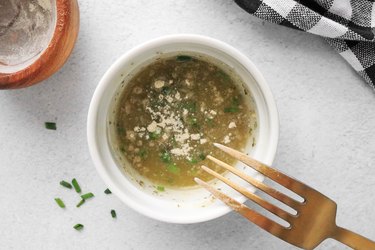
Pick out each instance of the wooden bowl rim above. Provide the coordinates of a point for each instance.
(62, 17)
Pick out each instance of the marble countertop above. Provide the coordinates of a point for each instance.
(327, 137)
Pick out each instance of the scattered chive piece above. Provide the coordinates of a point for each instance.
(173, 168)
(113, 213)
(165, 156)
(202, 156)
(78, 227)
(183, 58)
(87, 196)
(160, 188)
(153, 135)
(230, 109)
(142, 153)
(60, 202)
(107, 191)
(166, 90)
(80, 203)
(65, 184)
(50, 125)
(76, 185)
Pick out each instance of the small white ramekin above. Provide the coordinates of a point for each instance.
(184, 206)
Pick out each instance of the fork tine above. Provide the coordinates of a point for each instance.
(263, 203)
(284, 180)
(256, 218)
(259, 185)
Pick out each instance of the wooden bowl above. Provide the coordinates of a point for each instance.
(53, 56)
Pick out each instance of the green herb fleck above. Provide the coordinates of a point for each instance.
(65, 184)
(165, 156)
(224, 76)
(210, 122)
(190, 106)
(173, 140)
(60, 202)
(166, 90)
(234, 106)
(143, 153)
(76, 185)
(107, 191)
(113, 213)
(50, 125)
(153, 135)
(202, 156)
(231, 109)
(183, 58)
(173, 168)
(87, 196)
(236, 100)
(78, 227)
(160, 188)
(198, 158)
(80, 203)
(193, 161)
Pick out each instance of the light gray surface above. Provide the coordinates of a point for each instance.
(327, 134)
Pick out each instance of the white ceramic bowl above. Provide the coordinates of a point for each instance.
(184, 205)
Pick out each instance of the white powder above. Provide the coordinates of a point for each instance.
(152, 126)
(202, 141)
(183, 151)
(159, 84)
(169, 99)
(232, 125)
(177, 96)
(226, 139)
(195, 136)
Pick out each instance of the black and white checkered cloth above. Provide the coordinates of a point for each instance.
(347, 25)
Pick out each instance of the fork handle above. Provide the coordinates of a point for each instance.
(352, 239)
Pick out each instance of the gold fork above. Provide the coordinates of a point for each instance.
(316, 215)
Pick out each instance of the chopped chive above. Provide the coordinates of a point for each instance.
(193, 161)
(65, 184)
(80, 203)
(173, 168)
(143, 153)
(60, 202)
(166, 156)
(166, 90)
(190, 106)
(231, 109)
(236, 100)
(160, 188)
(202, 156)
(107, 191)
(76, 185)
(78, 227)
(50, 125)
(153, 135)
(192, 121)
(113, 213)
(183, 58)
(87, 196)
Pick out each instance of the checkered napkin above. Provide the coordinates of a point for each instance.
(347, 25)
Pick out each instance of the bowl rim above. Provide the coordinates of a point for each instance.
(117, 66)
